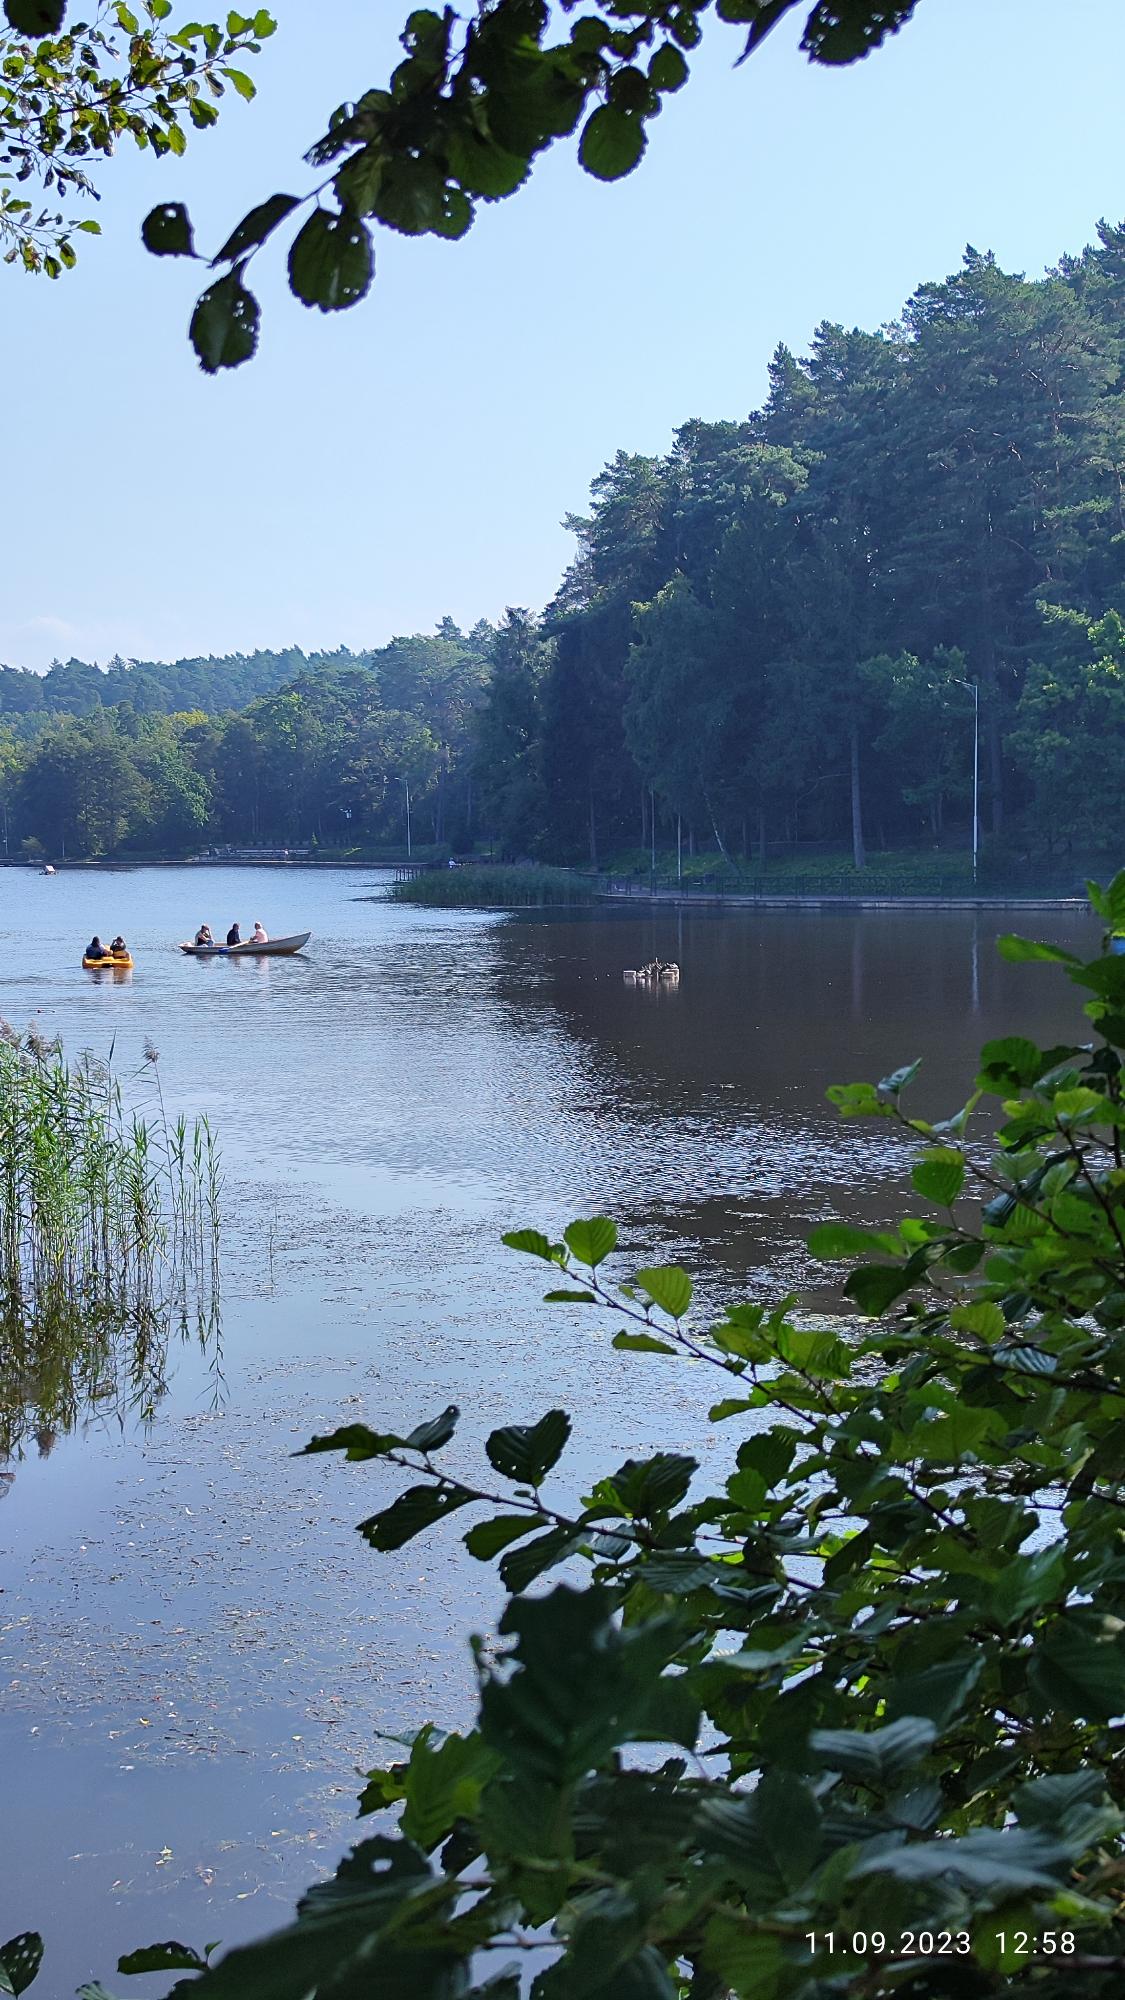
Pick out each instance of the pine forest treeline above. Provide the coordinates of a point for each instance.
(770, 636)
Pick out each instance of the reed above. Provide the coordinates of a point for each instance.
(488, 887)
(109, 1239)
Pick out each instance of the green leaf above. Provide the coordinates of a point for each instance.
(648, 1486)
(242, 83)
(431, 1436)
(484, 168)
(35, 17)
(642, 1343)
(612, 143)
(984, 1319)
(746, 1961)
(875, 1287)
(858, 1100)
(442, 1784)
(899, 1078)
(875, 1757)
(668, 70)
(938, 1692)
(526, 1452)
(563, 1297)
(166, 231)
(1079, 1668)
(1024, 951)
(256, 226)
(20, 1959)
(331, 262)
(1045, 1801)
(1009, 1065)
(1014, 1859)
(356, 1441)
(224, 325)
(842, 1239)
(521, 1566)
(668, 1287)
(533, 1243)
(489, 1537)
(939, 1175)
(411, 1514)
(789, 1818)
(591, 1242)
(1110, 902)
(163, 1958)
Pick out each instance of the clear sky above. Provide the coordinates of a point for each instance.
(373, 470)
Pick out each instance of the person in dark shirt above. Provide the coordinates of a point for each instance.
(95, 949)
(234, 935)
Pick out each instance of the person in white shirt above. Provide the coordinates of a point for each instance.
(260, 936)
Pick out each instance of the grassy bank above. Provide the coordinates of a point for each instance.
(500, 887)
(902, 873)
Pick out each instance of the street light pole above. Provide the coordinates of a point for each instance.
(974, 689)
(406, 783)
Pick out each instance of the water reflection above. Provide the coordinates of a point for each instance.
(69, 1368)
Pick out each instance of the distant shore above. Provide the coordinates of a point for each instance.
(693, 899)
(120, 865)
(491, 886)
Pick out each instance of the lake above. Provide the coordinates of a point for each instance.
(196, 1649)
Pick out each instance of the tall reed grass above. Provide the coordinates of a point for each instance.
(109, 1239)
(495, 886)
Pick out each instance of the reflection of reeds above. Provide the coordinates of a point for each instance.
(108, 1236)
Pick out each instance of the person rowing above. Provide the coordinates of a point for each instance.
(260, 936)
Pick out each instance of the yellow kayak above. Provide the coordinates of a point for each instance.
(109, 958)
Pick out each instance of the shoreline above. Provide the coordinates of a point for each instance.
(684, 899)
(739, 900)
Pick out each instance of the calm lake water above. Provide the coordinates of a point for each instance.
(196, 1650)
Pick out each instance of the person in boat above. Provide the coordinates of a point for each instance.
(234, 935)
(203, 935)
(260, 936)
(95, 949)
(119, 945)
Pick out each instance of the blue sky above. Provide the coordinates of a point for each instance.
(371, 471)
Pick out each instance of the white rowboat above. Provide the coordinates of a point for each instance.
(276, 948)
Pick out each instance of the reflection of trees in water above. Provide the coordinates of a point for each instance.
(696, 1115)
(109, 1244)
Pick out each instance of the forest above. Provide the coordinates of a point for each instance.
(773, 637)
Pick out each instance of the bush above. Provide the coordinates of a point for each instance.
(878, 1679)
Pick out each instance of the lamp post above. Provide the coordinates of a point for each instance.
(974, 690)
(406, 785)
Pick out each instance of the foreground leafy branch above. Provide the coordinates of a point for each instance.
(877, 1678)
(462, 120)
(69, 93)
